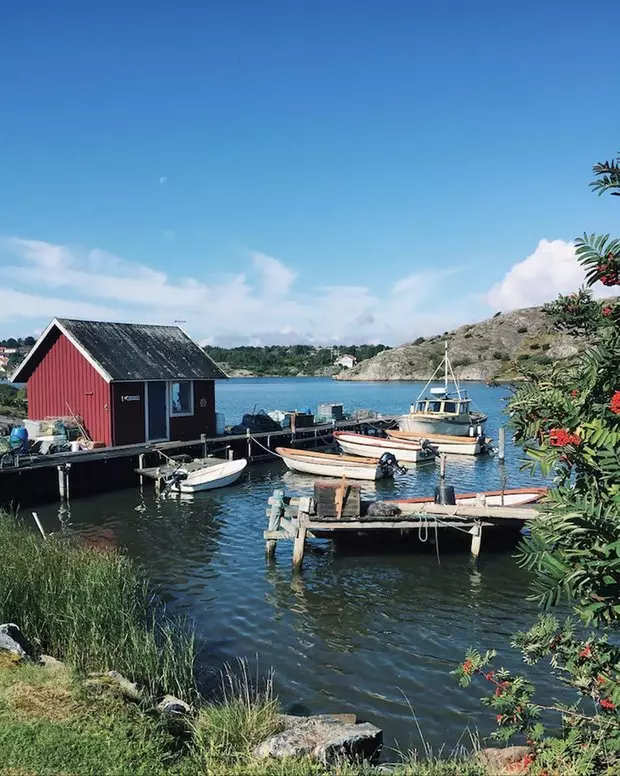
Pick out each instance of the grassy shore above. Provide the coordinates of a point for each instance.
(93, 610)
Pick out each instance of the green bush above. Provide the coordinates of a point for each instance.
(418, 341)
(545, 346)
(522, 330)
(535, 346)
(92, 609)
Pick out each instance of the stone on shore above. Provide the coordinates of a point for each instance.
(510, 759)
(127, 688)
(324, 737)
(171, 705)
(49, 662)
(13, 640)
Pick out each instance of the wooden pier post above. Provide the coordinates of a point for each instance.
(502, 444)
(476, 541)
(141, 459)
(299, 546)
(203, 439)
(63, 481)
(442, 467)
(230, 453)
(249, 443)
(277, 510)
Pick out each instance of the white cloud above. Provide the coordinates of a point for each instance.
(277, 277)
(163, 180)
(551, 270)
(264, 302)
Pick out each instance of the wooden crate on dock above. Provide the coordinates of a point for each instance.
(337, 499)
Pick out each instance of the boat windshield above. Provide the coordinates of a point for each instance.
(449, 407)
(434, 406)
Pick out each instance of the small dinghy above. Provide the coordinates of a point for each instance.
(199, 475)
(445, 443)
(514, 497)
(404, 451)
(331, 465)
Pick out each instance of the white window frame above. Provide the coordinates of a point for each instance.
(171, 412)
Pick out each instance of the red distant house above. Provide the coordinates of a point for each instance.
(129, 383)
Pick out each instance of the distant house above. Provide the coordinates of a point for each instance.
(347, 361)
(7, 351)
(128, 382)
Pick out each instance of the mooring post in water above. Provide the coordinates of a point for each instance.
(141, 466)
(502, 444)
(249, 438)
(203, 439)
(275, 515)
(442, 467)
(63, 481)
(476, 541)
(230, 453)
(299, 545)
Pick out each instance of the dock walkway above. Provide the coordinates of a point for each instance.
(299, 519)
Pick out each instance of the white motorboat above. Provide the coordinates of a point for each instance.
(445, 443)
(405, 452)
(512, 497)
(444, 411)
(332, 465)
(202, 475)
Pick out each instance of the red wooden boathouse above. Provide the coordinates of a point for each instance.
(129, 383)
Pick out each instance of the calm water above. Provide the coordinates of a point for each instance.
(362, 631)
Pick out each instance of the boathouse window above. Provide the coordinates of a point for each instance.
(181, 398)
(449, 406)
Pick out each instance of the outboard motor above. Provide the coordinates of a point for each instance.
(426, 445)
(174, 479)
(389, 465)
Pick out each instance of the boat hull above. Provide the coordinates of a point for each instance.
(513, 497)
(326, 465)
(427, 426)
(450, 444)
(404, 452)
(211, 477)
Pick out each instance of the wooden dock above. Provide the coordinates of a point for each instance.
(47, 477)
(299, 519)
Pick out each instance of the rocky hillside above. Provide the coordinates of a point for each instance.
(491, 349)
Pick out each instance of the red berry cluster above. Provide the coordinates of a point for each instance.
(560, 437)
(614, 404)
(608, 272)
(607, 311)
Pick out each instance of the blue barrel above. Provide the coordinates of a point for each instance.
(19, 439)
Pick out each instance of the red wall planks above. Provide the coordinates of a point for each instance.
(64, 377)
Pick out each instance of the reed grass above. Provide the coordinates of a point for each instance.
(93, 609)
(246, 714)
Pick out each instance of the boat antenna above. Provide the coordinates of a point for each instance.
(445, 361)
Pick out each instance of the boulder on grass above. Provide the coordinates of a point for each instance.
(49, 662)
(171, 705)
(127, 688)
(13, 640)
(325, 738)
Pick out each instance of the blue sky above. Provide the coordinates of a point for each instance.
(279, 170)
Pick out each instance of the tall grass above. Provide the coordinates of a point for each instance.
(247, 713)
(92, 609)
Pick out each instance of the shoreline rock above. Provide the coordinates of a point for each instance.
(324, 737)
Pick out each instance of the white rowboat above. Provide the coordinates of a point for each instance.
(331, 465)
(193, 478)
(360, 444)
(513, 497)
(445, 443)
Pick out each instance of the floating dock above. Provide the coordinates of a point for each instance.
(337, 510)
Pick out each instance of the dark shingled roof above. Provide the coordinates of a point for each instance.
(135, 351)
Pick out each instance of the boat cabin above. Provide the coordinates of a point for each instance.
(128, 383)
(441, 406)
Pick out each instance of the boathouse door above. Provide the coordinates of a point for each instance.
(156, 410)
